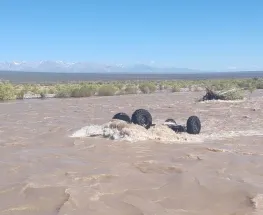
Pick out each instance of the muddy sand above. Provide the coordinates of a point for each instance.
(64, 156)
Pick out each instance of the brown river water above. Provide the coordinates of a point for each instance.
(49, 166)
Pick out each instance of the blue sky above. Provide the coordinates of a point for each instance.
(202, 34)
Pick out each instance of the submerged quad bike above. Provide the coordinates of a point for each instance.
(143, 118)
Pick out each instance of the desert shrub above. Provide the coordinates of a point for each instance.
(20, 93)
(195, 88)
(43, 91)
(175, 88)
(63, 94)
(235, 94)
(259, 84)
(51, 90)
(163, 85)
(27, 87)
(255, 83)
(218, 85)
(35, 89)
(244, 84)
(42, 95)
(20, 90)
(107, 90)
(83, 91)
(147, 88)
(119, 86)
(221, 85)
(130, 89)
(63, 91)
(251, 87)
(7, 91)
(184, 84)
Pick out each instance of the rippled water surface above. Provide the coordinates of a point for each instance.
(46, 171)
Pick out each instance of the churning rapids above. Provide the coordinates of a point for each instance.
(120, 130)
(66, 156)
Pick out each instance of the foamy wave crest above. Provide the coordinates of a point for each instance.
(120, 130)
(258, 204)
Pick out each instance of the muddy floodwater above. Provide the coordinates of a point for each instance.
(49, 165)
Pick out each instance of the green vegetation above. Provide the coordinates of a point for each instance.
(235, 94)
(130, 89)
(147, 87)
(175, 88)
(9, 91)
(107, 90)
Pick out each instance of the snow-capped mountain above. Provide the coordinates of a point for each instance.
(86, 67)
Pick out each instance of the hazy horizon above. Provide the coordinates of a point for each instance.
(50, 66)
(47, 77)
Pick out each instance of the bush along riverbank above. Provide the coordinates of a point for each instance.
(9, 91)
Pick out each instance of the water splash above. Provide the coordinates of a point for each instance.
(120, 130)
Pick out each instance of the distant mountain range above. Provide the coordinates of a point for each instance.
(85, 67)
(58, 71)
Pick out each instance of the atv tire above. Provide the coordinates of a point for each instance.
(123, 117)
(142, 117)
(193, 125)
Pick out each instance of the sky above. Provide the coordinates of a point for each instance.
(197, 34)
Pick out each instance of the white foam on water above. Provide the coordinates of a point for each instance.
(224, 101)
(120, 130)
(88, 131)
(258, 204)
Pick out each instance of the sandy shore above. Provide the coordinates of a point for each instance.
(44, 170)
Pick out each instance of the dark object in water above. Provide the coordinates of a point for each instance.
(143, 118)
(233, 94)
(210, 95)
(122, 116)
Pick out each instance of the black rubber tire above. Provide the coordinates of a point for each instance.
(170, 120)
(123, 117)
(142, 117)
(193, 125)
